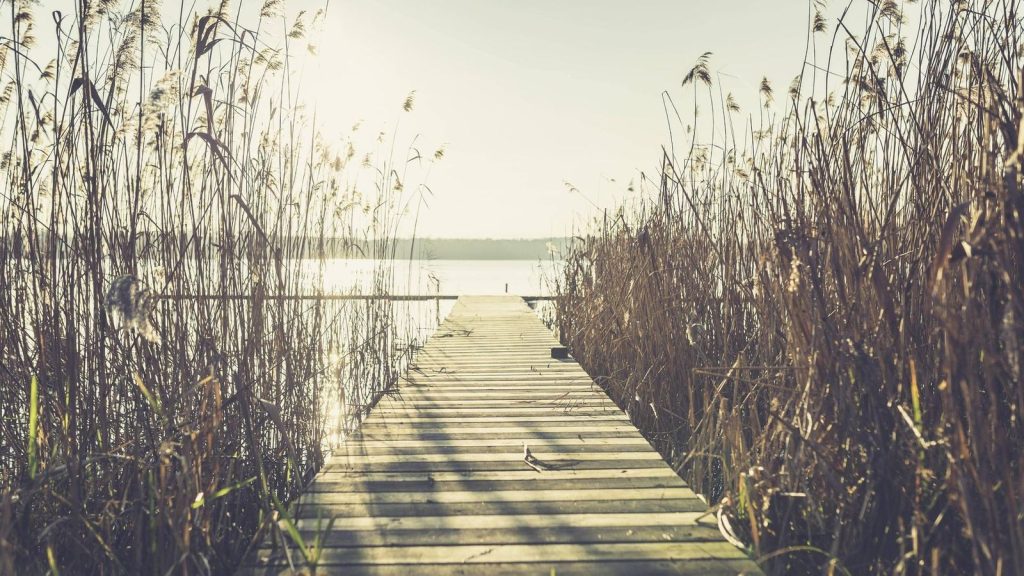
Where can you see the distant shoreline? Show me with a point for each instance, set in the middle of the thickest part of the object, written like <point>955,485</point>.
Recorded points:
<point>544,249</point>
<point>480,249</point>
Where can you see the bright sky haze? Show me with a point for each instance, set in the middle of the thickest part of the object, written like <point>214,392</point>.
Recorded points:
<point>528,95</point>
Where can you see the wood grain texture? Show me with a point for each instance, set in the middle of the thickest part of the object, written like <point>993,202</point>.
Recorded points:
<point>436,480</point>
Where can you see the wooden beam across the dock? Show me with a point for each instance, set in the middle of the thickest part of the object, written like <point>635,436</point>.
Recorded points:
<point>327,296</point>
<point>495,458</point>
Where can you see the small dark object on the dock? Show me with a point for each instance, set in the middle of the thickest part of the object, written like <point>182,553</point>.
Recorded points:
<point>559,352</point>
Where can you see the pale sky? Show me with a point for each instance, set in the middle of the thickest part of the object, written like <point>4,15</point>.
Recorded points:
<point>529,94</point>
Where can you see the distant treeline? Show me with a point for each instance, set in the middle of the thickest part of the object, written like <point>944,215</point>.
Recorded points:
<point>146,245</point>
<point>481,249</point>
<point>244,245</point>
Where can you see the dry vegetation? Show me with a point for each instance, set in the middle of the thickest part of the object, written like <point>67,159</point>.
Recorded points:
<point>819,316</point>
<point>143,431</point>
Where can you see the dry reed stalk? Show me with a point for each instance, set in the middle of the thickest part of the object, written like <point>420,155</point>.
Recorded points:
<point>174,155</point>
<point>819,318</point>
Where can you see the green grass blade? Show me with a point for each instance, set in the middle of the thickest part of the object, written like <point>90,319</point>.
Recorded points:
<point>33,428</point>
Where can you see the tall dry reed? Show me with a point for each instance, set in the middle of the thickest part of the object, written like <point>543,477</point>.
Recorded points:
<point>818,315</point>
<point>145,162</point>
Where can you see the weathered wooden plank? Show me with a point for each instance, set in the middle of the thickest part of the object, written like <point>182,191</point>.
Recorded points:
<point>435,480</point>
<point>686,567</point>
<point>538,397</point>
<point>339,537</point>
<point>548,494</point>
<point>565,450</point>
<point>569,417</point>
<point>533,553</point>
<point>408,434</point>
<point>496,466</point>
<point>474,521</point>
<point>407,409</point>
<point>496,404</point>
<point>556,429</point>
<point>546,406</point>
<point>575,441</point>
<point>539,357</point>
<point>502,392</point>
<point>521,379</point>
<point>323,484</point>
<point>470,353</point>
<point>537,378</point>
<point>497,456</point>
<point>429,421</point>
<point>506,407</point>
<point>499,508</point>
<point>472,356</point>
<point>391,429</point>
<point>498,345</point>
<point>579,475</point>
<point>423,366</point>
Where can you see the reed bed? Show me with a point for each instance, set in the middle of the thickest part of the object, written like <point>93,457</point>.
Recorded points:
<point>817,314</point>
<point>141,431</point>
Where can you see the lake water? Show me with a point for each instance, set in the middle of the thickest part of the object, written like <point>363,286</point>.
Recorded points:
<point>416,321</point>
<point>429,277</point>
<point>450,277</point>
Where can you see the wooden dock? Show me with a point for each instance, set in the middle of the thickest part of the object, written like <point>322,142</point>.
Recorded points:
<point>497,459</point>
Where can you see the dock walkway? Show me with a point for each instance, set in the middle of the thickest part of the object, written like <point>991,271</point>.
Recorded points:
<point>496,459</point>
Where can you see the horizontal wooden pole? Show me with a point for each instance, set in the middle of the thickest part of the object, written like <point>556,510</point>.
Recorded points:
<point>343,297</point>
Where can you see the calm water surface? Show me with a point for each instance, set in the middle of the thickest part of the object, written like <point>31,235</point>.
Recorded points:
<point>453,277</point>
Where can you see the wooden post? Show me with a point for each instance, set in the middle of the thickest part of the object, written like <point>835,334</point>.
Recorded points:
<point>437,302</point>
